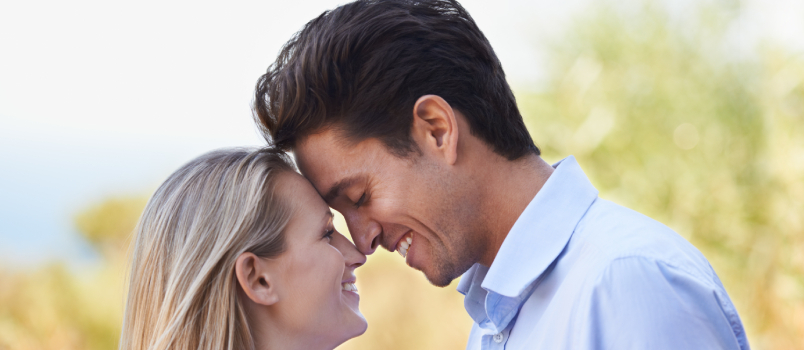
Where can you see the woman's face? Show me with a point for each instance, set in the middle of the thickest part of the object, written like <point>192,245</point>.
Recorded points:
<point>316,290</point>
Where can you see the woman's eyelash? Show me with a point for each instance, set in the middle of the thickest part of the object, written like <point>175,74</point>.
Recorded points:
<point>328,233</point>
<point>361,200</point>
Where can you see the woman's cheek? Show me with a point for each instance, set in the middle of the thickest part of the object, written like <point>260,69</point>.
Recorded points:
<point>334,264</point>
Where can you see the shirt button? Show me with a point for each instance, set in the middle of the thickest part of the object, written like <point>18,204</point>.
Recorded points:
<point>498,338</point>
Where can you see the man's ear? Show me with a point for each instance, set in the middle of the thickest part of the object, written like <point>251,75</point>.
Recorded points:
<point>434,118</point>
<point>255,279</point>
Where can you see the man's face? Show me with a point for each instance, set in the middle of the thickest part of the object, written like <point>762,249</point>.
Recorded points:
<point>387,200</point>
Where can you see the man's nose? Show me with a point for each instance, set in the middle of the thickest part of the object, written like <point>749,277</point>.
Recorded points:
<point>365,233</point>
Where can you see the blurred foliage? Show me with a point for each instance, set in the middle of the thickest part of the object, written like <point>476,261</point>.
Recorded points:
<point>56,307</point>
<point>109,224</point>
<point>662,115</point>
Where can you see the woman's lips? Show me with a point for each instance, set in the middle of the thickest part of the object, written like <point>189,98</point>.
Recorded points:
<point>349,287</point>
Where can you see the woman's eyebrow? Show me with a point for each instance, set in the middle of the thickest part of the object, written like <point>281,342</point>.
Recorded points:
<point>338,188</point>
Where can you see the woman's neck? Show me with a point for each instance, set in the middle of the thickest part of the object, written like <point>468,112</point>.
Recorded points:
<point>268,336</point>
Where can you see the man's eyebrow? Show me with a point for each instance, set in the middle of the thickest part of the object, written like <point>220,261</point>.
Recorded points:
<point>336,189</point>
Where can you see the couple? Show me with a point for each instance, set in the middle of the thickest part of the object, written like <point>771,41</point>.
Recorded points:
<point>399,117</point>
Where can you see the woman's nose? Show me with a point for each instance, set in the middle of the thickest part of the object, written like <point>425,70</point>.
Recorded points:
<point>352,257</point>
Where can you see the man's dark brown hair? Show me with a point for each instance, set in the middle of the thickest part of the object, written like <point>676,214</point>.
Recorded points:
<point>361,67</point>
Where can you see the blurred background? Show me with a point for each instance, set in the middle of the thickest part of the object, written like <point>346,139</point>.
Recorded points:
<point>691,112</point>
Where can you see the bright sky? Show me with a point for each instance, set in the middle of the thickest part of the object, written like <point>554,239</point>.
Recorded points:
<point>102,98</point>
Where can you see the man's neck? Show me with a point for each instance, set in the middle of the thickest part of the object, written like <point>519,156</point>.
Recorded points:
<point>511,186</point>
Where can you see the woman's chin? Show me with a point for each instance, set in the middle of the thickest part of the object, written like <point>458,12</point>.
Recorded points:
<point>363,324</point>
<point>357,325</point>
<point>352,322</point>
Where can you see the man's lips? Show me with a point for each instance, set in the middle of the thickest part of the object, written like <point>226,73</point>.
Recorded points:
<point>405,244</point>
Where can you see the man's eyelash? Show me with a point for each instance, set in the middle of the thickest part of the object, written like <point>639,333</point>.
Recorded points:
<point>361,200</point>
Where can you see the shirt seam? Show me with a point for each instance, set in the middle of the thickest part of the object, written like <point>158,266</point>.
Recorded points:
<point>652,260</point>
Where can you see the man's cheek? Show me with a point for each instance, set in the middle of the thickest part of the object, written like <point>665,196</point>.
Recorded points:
<point>388,211</point>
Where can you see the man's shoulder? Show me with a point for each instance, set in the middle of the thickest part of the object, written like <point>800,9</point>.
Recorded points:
<point>614,233</point>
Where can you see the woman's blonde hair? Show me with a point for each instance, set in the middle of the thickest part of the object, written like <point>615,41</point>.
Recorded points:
<point>183,293</point>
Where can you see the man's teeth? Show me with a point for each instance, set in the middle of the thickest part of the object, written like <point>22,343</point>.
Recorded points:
<point>404,246</point>
<point>349,287</point>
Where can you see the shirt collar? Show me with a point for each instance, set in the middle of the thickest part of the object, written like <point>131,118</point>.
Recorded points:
<point>540,233</point>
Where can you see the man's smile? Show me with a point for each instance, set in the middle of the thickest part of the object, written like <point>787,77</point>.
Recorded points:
<point>404,244</point>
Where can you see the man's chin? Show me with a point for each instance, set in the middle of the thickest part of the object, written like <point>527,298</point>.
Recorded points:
<point>439,281</point>
<point>441,270</point>
<point>442,278</point>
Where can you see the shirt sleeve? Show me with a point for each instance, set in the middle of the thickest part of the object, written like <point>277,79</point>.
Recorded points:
<point>639,303</point>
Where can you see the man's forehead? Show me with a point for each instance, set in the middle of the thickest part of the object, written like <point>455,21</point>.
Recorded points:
<point>326,158</point>
<point>320,150</point>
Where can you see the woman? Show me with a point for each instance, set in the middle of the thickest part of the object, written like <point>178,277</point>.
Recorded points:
<point>238,251</point>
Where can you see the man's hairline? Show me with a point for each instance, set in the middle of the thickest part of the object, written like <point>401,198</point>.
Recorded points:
<point>341,134</point>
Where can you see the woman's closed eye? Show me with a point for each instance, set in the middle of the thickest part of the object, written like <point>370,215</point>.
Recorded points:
<point>328,234</point>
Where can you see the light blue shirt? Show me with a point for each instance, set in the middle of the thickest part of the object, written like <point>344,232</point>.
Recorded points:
<point>580,272</point>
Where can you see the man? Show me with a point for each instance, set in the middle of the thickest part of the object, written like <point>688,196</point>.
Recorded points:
<point>399,114</point>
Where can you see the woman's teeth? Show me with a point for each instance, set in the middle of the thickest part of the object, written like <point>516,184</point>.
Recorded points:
<point>349,287</point>
<point>404,245</point>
